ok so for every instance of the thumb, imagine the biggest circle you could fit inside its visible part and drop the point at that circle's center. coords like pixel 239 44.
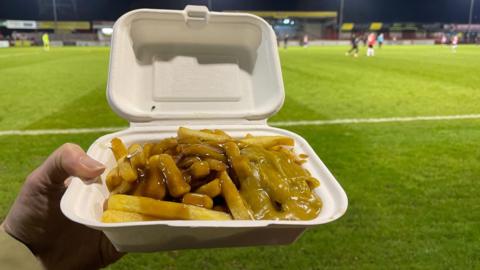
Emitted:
pixel 69 160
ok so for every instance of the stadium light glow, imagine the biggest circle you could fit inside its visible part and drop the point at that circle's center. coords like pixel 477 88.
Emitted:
pixel 286 21
pixel 107 31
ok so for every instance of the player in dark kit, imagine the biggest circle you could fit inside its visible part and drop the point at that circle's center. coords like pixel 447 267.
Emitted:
pixel 285 41
pixel 354 42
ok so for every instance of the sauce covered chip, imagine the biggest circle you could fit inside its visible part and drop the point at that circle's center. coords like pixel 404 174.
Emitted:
pixel 207 174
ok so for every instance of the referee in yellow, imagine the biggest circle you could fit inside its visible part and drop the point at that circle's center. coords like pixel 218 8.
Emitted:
pixel 46 42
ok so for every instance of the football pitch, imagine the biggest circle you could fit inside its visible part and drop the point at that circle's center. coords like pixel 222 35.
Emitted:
pixel 413 185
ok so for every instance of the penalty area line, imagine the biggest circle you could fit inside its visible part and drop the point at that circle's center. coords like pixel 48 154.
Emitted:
pixel 39 132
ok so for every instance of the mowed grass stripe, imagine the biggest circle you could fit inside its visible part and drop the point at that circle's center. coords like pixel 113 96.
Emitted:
pixel 37 87
pixel 320 83
pixel 398 81
pixel 38 132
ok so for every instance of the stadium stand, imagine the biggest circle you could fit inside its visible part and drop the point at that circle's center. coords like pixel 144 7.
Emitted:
pixel 295 27
pixel 64 33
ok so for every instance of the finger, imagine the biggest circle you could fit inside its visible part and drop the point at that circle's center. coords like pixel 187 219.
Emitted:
pixel 69 160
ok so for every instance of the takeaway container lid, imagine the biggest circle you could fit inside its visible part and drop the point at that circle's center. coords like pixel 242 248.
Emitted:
pixel 193 64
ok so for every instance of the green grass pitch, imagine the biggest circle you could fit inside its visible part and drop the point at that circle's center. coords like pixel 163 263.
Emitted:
pixel 412 187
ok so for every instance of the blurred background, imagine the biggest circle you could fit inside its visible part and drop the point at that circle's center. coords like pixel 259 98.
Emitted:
pixel 73 22
pixel 398 128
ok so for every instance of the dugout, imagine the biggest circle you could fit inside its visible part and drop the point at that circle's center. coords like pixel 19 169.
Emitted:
pixel 297 24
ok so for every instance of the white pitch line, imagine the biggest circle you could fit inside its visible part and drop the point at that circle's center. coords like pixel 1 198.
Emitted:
pixel 374 120
pixel 17 54
pixel 37 132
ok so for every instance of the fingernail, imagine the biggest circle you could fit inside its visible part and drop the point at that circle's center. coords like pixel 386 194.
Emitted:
pixel 91 163
pixel 96 180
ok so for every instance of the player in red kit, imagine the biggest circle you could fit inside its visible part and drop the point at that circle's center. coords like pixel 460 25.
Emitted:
pixel 371 43
pixel 454 43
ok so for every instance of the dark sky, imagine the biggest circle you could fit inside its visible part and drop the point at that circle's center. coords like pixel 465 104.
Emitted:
pixel 427 11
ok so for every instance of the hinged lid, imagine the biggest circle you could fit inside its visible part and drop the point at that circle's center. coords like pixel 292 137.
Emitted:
pixel 193 64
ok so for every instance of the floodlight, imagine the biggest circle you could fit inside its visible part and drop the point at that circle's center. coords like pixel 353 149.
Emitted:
pixel 107 31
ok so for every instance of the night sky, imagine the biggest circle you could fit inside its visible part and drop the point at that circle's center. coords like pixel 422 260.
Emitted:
pixel 425 11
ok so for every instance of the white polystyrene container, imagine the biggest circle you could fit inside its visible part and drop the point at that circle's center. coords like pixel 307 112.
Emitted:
pixel 197 69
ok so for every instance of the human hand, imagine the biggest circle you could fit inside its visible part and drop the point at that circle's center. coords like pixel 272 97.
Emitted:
pixel 36 219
